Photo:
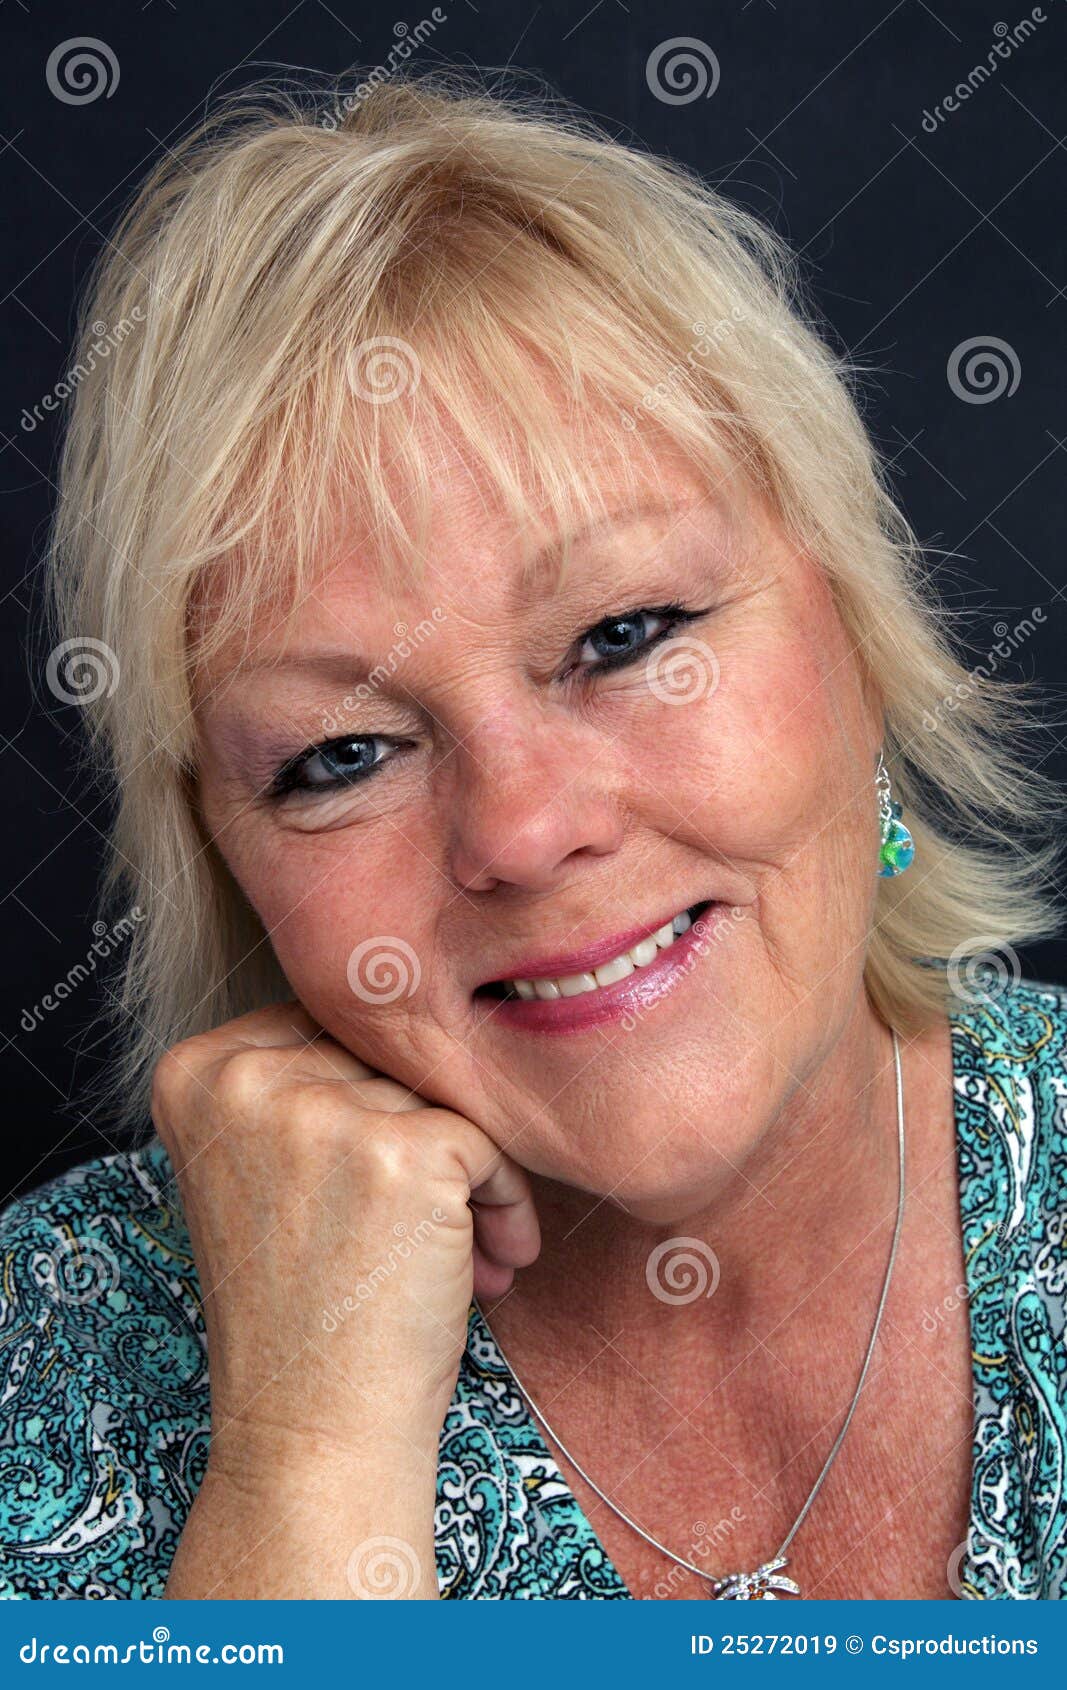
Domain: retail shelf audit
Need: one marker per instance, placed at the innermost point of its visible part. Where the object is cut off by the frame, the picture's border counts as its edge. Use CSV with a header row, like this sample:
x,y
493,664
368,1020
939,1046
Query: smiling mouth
x,y
593,980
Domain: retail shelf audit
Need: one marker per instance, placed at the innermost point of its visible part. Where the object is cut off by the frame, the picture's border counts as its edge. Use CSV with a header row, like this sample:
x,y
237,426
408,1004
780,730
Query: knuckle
x,y
390,1160
321,1122
243,1078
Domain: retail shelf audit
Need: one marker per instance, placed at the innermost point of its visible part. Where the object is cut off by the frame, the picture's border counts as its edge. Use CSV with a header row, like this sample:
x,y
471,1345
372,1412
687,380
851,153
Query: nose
x,y
527,797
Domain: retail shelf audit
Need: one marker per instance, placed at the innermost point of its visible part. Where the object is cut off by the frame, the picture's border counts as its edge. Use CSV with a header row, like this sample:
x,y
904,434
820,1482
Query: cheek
x,y
344,923
752,763
765,775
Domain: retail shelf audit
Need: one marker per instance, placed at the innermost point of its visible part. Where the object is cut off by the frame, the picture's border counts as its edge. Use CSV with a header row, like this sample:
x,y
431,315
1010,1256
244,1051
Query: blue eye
x,y
619,640
336,763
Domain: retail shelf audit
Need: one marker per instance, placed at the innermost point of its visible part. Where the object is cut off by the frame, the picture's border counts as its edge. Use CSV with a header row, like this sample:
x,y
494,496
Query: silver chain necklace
x,y
768,1580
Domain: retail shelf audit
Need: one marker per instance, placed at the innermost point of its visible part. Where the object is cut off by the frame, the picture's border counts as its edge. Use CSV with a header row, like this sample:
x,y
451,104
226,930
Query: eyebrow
x,y
612,522
343,665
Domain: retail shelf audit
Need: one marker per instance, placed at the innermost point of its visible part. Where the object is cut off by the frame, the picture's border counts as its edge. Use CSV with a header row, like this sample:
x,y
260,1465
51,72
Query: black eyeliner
x,y
675,614
285,779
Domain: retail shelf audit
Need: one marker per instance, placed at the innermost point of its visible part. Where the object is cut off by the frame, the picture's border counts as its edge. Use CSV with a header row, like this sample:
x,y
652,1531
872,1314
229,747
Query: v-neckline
x,y
584,1537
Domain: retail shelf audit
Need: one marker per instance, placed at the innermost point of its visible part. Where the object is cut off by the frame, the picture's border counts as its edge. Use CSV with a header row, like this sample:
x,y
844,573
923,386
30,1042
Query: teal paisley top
x,y
104,1406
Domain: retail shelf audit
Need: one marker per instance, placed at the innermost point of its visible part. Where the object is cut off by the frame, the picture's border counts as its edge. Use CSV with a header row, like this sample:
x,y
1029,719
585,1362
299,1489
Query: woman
x,y
602,1145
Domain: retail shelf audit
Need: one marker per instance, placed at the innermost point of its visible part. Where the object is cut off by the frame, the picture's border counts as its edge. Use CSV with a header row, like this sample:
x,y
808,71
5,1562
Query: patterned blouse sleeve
x,y
103,1383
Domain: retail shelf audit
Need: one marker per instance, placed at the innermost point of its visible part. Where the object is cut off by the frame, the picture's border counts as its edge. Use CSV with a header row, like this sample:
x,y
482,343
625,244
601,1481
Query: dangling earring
x,y
898,847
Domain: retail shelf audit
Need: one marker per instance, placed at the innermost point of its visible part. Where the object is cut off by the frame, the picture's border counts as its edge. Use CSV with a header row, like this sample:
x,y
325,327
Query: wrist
x,y
285,1464
313,1522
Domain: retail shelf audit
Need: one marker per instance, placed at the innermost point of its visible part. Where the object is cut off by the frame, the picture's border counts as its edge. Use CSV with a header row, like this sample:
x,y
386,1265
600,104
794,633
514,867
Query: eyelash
x,y
288,777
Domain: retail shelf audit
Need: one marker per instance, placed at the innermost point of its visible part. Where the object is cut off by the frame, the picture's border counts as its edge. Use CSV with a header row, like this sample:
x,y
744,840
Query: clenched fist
x,y
340,1224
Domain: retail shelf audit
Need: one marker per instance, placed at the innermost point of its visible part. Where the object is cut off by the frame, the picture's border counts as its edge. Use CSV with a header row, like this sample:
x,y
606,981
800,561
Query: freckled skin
x,y
533,817
753,1106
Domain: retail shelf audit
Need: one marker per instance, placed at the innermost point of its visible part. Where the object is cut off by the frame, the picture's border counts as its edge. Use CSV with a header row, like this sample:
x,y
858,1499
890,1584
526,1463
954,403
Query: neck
x,y
817,1194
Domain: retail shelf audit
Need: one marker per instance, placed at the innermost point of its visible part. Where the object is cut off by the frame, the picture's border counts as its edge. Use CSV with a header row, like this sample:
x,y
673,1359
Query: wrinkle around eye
x,y
328,811
317,808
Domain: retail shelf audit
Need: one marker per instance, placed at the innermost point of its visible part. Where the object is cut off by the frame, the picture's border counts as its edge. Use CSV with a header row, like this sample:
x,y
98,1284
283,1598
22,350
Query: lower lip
x,y
632,997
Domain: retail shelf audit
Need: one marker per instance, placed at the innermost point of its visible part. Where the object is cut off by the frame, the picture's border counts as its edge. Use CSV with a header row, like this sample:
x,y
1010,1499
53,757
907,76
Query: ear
x,y
874,711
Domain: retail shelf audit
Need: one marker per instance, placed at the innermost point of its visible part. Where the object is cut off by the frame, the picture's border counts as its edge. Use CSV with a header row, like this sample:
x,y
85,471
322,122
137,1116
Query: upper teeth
x,y
638,956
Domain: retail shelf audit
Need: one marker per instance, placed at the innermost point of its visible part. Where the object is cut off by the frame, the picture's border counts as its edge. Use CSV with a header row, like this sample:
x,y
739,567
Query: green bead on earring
x,y
897,850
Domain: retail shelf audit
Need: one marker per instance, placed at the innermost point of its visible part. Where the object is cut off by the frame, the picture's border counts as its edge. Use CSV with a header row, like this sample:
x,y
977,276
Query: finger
x,y
509,1234
499,1195
506,1227
490,1279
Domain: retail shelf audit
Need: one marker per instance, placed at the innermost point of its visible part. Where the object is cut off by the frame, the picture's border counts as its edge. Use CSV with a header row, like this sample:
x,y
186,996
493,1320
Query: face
x,y
491,775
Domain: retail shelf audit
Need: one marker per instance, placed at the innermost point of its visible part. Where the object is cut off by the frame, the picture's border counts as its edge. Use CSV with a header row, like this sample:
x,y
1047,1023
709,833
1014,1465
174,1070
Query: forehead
x,y
484,556
474,543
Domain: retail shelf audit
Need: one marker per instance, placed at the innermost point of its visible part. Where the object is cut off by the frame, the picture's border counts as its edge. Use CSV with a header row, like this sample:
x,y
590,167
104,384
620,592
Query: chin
x,y
665,1193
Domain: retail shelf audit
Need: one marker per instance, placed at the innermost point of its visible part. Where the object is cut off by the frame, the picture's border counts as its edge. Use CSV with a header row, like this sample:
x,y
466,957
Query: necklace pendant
x,y
763,1585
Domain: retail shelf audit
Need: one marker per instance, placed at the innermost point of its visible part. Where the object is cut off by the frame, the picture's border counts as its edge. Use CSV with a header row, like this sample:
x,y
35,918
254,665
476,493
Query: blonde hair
x,y
290,264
